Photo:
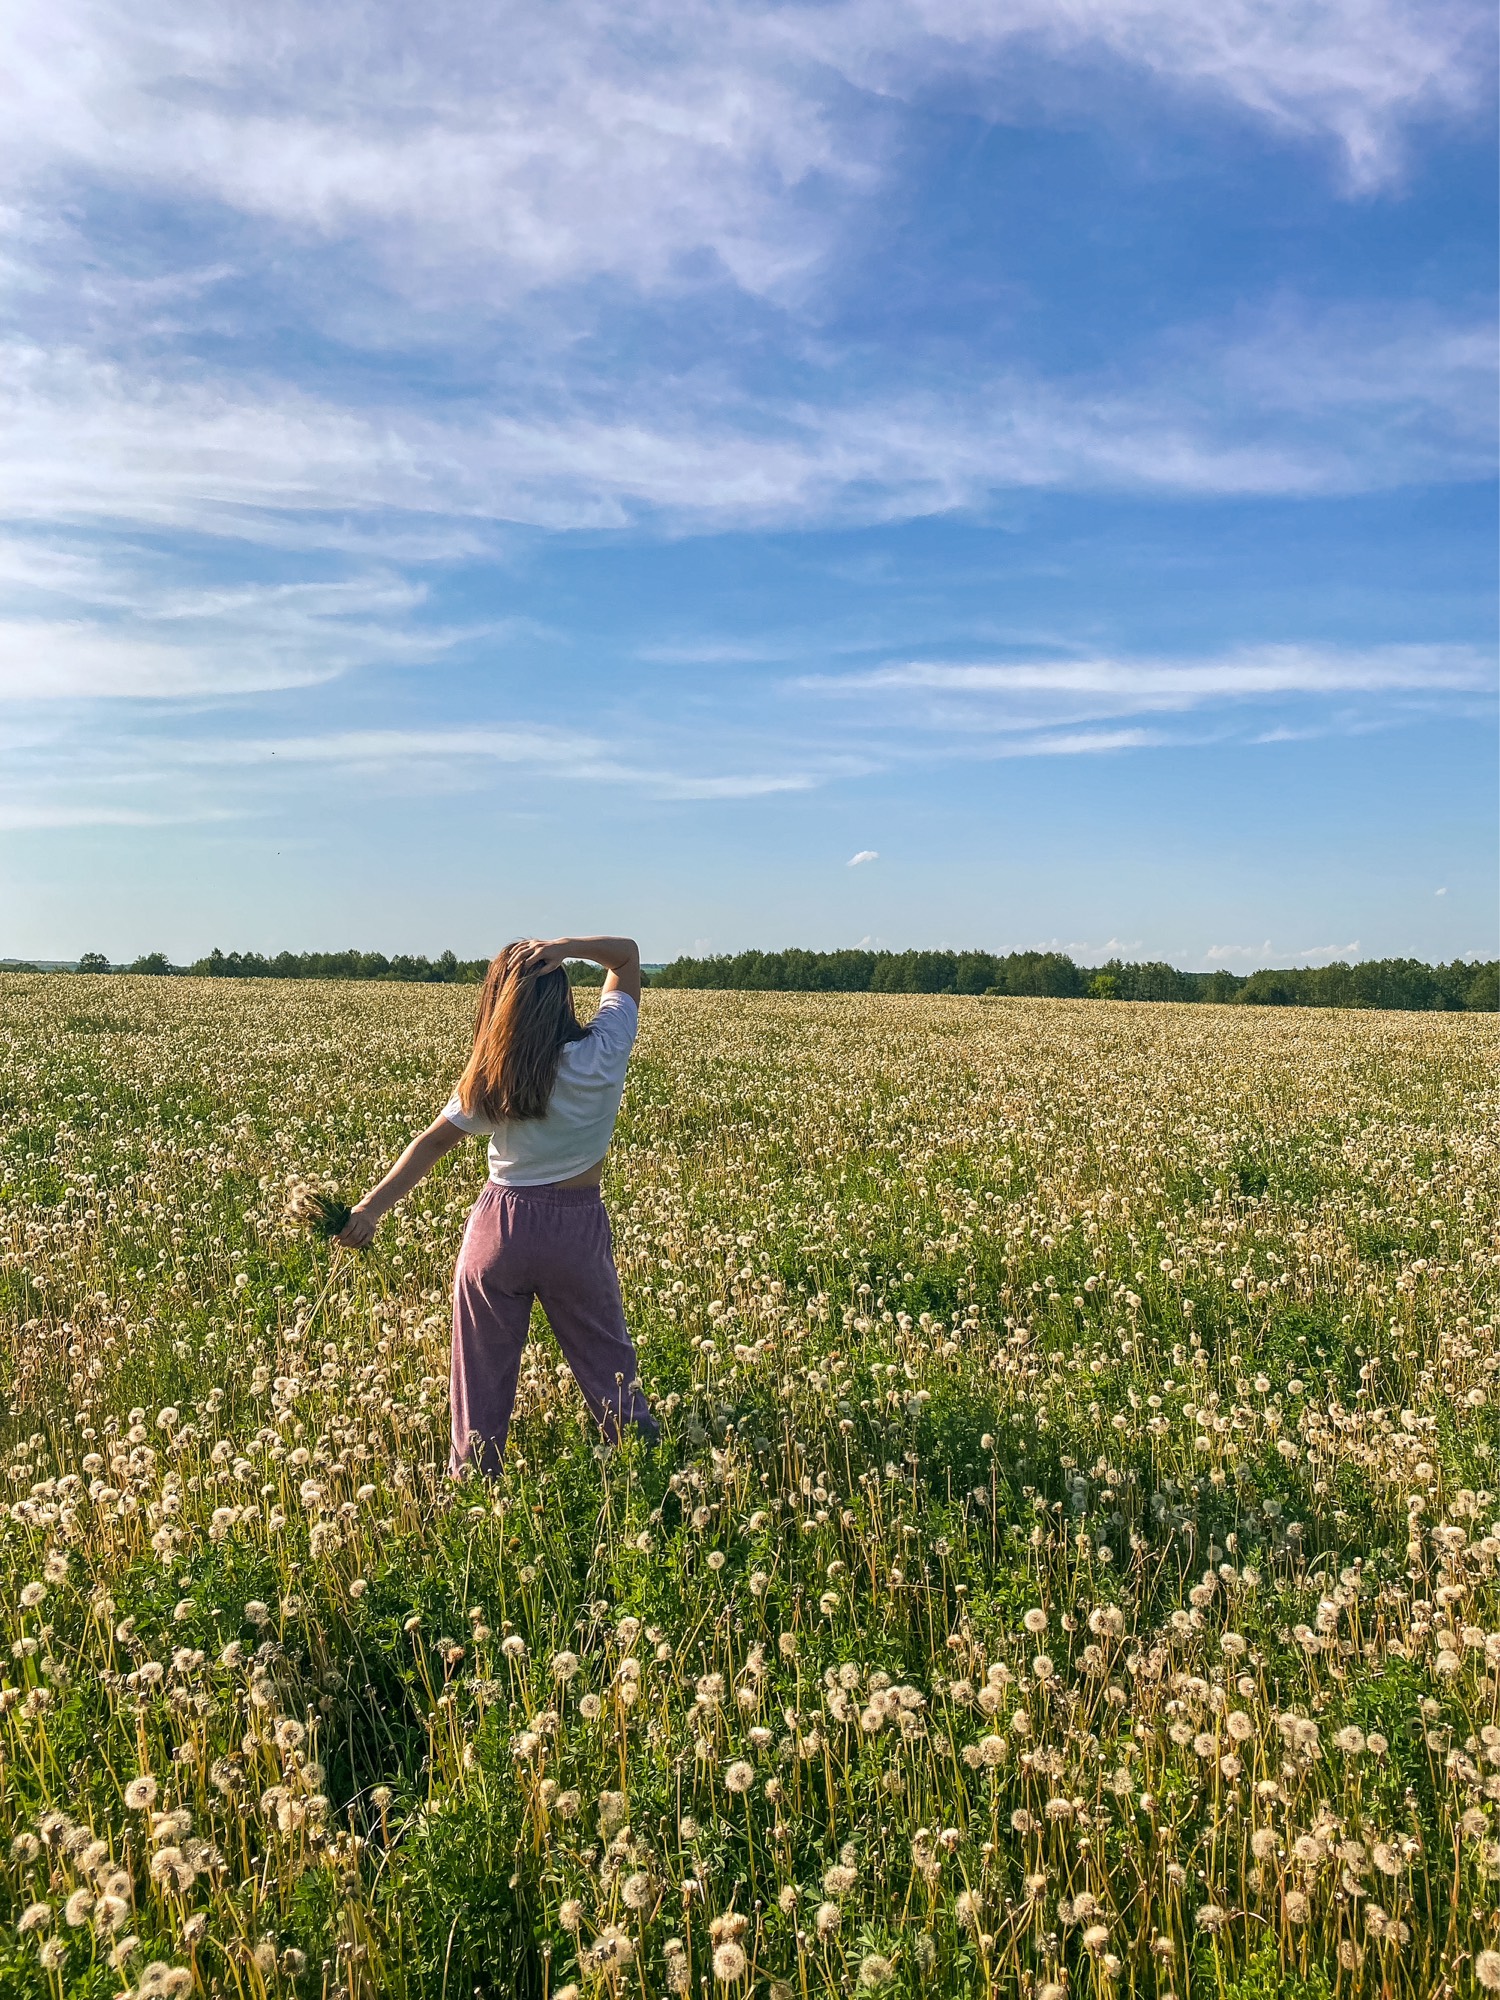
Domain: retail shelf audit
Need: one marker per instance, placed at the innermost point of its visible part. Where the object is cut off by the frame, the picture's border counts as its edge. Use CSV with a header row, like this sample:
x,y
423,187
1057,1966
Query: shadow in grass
x,y
461,1902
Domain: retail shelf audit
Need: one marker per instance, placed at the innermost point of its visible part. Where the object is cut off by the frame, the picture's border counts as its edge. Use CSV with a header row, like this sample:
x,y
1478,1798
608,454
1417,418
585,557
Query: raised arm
x,y
620,957
420,1157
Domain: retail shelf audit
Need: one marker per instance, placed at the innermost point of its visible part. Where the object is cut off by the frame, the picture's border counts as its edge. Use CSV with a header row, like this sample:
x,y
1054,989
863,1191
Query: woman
x,y
547,1093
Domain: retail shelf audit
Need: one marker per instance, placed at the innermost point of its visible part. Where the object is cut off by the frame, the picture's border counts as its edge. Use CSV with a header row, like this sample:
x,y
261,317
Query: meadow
x,y
1069,1568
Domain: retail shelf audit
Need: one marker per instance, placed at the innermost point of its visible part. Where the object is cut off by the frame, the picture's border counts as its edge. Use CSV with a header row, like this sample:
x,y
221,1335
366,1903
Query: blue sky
x,y
893,470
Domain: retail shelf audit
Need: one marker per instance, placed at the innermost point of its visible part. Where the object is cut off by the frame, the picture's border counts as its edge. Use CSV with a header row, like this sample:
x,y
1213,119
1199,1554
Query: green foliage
x,y
1399,983
445,970
1267,1976
951,1317
1390,983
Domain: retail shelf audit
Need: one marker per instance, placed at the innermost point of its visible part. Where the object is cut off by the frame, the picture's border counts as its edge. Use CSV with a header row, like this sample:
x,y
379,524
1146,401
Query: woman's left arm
x,y
420,1157
620,957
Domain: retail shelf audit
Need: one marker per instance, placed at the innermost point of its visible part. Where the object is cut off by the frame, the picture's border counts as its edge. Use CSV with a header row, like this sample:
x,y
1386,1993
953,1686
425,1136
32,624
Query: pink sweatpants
x,y
552,1244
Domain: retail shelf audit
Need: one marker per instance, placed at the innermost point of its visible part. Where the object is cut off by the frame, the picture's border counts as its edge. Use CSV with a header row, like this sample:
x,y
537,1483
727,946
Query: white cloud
x,y
1076,743
1169,683
548,752
1217,953
410,182
1264,954
21,816
1352,70
80,624
858,860
77,775
96,442
1020,707
1440,892
504,148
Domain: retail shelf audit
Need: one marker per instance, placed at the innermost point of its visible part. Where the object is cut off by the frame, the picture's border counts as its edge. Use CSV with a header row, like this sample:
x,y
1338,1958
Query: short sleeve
x,y
466,1121
614,1024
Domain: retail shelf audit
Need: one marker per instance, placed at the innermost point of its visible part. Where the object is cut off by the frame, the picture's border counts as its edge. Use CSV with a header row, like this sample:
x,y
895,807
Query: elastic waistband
x,y
548,1191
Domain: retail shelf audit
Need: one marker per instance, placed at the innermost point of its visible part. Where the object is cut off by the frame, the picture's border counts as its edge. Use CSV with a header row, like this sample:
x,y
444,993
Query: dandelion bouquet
x,y
324,1214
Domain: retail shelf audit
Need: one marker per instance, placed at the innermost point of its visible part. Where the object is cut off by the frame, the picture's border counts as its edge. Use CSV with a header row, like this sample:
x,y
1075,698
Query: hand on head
x,y
534,956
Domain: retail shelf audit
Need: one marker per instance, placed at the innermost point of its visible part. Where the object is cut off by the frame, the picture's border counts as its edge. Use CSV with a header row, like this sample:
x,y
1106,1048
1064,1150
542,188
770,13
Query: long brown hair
x,y
524,1022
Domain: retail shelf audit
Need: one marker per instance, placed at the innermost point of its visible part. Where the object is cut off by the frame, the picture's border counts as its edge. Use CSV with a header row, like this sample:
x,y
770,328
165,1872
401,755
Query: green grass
x,y
927,1244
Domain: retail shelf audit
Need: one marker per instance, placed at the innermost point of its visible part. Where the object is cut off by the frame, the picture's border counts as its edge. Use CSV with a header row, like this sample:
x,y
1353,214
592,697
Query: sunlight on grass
x,y
1070,1566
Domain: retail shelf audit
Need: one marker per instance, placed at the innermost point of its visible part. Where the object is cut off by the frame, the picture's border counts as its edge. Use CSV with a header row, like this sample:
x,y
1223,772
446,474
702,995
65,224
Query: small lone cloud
x,y
1440,892
858,860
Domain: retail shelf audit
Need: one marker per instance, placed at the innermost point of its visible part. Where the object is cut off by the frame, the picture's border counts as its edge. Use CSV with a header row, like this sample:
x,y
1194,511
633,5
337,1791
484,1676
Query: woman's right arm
x,y
420,1157
620,957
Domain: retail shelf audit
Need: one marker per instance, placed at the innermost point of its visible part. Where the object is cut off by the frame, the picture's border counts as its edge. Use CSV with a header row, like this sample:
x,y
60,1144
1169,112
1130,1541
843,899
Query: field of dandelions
x,y
1070,1568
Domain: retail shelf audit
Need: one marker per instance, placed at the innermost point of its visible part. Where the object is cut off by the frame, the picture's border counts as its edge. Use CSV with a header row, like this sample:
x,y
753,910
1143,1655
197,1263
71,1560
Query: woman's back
x,y
574,1132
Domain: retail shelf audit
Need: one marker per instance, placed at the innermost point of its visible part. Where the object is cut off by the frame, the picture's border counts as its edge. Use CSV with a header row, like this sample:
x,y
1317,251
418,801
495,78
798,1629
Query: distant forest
x,y
1377,982
1381,982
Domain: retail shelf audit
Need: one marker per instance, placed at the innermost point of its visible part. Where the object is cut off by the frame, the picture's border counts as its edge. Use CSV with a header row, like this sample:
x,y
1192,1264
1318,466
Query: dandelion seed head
x,y
730,1963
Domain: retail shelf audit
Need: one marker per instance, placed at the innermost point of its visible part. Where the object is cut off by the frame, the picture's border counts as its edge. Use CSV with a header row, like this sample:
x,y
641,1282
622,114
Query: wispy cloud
x,y
1267,954
506,150
1251,671
858,860
80,624
551,752
1015,707
456,210
74,776
97,440
22,816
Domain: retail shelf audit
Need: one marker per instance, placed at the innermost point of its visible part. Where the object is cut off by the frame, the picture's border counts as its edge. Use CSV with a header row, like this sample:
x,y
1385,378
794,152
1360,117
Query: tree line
x,y
1408,983
447,969
1382,982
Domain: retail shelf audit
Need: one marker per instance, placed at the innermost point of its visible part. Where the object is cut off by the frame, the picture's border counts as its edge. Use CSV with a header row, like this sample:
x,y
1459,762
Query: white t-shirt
x,y
579,1121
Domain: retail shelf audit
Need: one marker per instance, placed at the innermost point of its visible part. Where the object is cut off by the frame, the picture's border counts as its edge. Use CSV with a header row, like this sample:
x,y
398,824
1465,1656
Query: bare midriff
x,y
590,1177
